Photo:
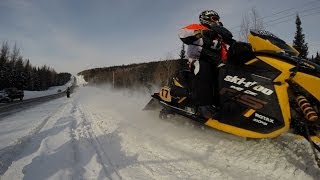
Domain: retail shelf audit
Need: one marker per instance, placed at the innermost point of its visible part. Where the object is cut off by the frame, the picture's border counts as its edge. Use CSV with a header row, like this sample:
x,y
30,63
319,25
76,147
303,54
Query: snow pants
x,y
205,84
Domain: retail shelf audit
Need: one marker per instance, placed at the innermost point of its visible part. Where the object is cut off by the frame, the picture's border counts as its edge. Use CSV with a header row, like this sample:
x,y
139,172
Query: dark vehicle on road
x,y
4,97
9,94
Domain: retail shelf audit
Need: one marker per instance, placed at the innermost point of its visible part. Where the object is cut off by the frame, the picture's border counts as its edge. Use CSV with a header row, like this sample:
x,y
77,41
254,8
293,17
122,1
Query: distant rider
x,y
68,92
207,48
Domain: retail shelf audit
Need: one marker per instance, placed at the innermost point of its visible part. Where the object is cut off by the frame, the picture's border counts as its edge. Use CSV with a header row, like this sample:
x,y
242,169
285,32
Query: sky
x,y
75,35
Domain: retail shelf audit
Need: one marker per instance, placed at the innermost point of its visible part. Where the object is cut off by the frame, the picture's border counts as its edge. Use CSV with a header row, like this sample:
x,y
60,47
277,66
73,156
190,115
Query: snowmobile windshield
x,y
274,40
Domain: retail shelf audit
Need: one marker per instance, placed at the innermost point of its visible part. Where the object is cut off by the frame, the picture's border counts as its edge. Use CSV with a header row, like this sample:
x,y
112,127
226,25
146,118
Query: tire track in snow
x,y
95,119
236,156
209,151
101,153
158,161
8,154
158,158
75,146
188,159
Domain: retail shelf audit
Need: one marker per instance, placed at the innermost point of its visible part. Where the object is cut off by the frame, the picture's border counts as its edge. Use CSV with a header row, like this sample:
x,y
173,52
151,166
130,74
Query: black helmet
x,y
209,17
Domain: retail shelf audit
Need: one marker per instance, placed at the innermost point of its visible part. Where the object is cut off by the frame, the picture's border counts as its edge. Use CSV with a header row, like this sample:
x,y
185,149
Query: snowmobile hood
x,y
264,41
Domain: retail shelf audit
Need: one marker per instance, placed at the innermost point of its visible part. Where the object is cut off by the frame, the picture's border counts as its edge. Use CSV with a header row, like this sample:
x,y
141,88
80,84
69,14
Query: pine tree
x,y
28,76
299,41
182,54
317,59
183,61
4,69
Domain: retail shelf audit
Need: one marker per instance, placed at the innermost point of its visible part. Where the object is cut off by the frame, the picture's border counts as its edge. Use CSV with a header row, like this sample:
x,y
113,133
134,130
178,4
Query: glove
x,y
223,32
241,47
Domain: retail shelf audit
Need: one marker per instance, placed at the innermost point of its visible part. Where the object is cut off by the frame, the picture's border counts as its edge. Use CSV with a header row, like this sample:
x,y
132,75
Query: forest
x,y
15,71
135,75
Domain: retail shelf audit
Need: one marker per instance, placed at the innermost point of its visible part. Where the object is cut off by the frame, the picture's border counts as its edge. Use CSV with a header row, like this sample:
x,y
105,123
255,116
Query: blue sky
x,y
74,35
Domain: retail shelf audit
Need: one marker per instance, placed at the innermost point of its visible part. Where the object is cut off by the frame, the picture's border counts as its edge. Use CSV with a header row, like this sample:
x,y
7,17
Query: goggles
x,y
214,18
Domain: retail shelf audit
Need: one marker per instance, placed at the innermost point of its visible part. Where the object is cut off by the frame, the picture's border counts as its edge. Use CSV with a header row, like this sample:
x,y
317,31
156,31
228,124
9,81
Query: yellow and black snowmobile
x,y
264,92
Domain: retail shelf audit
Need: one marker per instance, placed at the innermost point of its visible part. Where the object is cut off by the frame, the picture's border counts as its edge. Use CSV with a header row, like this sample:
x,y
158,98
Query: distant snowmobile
x,y
264,92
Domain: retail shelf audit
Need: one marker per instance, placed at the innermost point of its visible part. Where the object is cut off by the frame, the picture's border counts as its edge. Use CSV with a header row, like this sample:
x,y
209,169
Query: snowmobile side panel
x,y
308,83
280,65
252,89
238,131
282,94
249,113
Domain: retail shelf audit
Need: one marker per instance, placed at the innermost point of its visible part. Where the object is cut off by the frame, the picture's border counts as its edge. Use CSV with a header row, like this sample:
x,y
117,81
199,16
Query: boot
x,y
179,92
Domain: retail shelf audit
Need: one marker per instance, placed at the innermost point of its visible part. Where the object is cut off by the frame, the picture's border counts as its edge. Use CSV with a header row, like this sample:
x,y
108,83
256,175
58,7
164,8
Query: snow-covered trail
x,y
101,134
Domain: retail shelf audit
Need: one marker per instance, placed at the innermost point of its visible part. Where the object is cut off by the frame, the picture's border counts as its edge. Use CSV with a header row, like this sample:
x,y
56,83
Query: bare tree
x,y
250,20
170,67
244,28
15,53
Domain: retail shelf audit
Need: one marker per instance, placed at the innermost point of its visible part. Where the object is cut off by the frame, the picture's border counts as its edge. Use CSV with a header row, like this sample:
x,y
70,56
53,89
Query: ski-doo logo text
x,y
242,81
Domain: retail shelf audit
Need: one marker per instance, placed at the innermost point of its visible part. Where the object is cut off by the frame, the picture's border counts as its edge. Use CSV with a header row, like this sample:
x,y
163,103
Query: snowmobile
x,y
263,92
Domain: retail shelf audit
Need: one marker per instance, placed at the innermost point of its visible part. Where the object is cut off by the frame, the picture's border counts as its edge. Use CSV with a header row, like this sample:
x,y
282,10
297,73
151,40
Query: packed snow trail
x,y
103,134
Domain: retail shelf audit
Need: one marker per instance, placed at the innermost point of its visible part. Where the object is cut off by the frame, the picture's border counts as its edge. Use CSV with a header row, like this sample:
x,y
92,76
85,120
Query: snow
x,y
80,80
101,133
51,90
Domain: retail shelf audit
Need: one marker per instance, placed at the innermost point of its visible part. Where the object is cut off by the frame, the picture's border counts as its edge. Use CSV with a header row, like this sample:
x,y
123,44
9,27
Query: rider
x,y
68,92
206,50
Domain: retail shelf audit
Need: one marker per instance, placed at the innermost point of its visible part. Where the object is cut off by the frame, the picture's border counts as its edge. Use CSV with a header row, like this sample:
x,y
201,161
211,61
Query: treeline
x,y
134,75
316,59
19,73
